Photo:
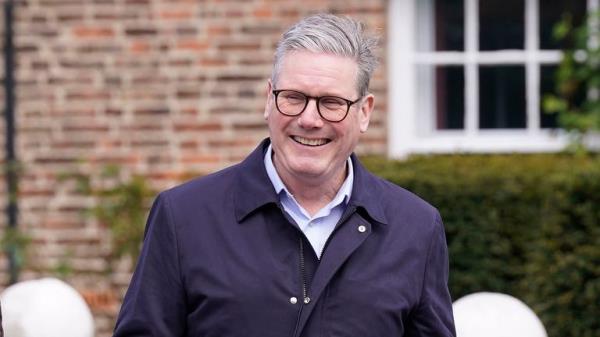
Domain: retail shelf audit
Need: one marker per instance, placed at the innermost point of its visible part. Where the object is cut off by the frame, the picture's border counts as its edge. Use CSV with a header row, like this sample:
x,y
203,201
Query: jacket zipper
x,y
305,298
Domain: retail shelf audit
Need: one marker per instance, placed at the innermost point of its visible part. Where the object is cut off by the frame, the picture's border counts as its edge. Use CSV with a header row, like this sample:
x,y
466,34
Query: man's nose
x,y
310,117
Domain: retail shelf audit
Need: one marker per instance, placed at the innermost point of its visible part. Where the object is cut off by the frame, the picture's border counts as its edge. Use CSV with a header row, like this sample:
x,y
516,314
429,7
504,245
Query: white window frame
x,y
412,132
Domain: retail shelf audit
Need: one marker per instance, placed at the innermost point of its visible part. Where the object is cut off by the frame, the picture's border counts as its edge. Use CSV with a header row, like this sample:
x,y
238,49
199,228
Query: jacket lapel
x,y
346,239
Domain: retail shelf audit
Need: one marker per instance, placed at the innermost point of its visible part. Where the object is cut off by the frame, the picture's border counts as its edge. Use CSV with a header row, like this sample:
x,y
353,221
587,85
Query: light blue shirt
x,y
319,227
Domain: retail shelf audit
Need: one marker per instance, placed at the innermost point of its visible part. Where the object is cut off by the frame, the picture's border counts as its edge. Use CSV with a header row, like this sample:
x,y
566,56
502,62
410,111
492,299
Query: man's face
x,y
307,147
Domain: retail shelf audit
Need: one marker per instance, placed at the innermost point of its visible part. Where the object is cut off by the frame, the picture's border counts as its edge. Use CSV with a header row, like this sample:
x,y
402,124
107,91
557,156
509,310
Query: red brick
x,y
151,111
85,128
172,14
193,45
238,46
186,30
218,30
166,175
54,160
189,93
100,300
139,46
263,13
180,126
140,31
78,144
200,159
231,143
94,32
189,111
70,17
143,127
190,144
213,61
60,224
234,13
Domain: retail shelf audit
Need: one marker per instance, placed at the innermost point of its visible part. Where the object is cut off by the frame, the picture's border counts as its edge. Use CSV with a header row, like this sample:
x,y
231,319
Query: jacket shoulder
x,y
401,205
401,194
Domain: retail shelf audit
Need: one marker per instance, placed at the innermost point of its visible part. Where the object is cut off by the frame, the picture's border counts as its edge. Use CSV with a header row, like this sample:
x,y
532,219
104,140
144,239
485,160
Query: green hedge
x,y
524,225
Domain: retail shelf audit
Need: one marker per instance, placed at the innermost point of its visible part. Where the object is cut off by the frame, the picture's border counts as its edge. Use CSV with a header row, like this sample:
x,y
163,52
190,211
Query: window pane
x,y
450,97
551,12
547,87
501,24
440,98
502,97
449,30
440,25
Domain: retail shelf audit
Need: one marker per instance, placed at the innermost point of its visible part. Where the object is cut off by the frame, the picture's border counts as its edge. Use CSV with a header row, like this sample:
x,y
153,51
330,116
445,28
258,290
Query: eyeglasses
x,y
331,108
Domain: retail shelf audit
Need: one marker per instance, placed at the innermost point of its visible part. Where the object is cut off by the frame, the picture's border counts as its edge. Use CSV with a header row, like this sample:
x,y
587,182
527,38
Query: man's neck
x,y
313,194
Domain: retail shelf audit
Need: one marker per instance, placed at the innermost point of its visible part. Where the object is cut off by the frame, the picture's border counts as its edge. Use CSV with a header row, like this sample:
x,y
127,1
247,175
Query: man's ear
x,y
364,115
269,100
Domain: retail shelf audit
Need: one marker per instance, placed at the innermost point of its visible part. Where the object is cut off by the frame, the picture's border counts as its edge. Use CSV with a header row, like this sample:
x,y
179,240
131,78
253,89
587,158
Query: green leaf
x,y
562,28
554,104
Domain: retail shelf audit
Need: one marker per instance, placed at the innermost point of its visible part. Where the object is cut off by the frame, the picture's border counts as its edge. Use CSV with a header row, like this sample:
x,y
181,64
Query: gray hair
x,y
331,34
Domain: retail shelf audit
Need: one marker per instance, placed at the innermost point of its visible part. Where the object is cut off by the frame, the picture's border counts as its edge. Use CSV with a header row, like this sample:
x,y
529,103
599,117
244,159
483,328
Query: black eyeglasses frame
x,y
317,99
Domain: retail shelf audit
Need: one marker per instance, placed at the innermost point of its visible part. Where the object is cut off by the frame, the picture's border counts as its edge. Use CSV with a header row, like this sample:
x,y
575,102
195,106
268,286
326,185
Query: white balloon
x,y
45,308
495,315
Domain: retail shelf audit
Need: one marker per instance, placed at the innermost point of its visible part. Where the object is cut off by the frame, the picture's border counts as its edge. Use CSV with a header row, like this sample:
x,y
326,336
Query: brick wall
x,y
164,88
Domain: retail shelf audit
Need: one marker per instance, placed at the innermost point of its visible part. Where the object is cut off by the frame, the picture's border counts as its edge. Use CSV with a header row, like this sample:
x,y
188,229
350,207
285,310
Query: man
x,y
298,239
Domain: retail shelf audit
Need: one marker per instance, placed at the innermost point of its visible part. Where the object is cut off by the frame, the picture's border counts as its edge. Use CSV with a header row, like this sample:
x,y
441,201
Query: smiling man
x,y
315,116
299,239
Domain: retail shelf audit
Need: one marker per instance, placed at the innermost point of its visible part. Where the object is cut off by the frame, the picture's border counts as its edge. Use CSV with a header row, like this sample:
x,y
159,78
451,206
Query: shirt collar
x,y
343,194
253,188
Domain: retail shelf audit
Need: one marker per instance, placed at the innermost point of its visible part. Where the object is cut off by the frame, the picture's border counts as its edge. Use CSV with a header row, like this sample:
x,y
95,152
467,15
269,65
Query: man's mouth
x,y
310,142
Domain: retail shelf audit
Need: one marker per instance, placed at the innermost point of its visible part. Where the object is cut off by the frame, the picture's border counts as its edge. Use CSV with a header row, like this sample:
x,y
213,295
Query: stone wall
x,y
164,88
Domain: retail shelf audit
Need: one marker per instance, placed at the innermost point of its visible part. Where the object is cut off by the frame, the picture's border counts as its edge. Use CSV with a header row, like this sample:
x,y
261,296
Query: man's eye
x,y
332,102
294,98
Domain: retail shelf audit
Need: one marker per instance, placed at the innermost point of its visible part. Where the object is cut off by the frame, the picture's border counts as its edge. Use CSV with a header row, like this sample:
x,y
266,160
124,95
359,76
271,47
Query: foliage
x,y
525,225
121,203
576,100
565,264
16,242
63,269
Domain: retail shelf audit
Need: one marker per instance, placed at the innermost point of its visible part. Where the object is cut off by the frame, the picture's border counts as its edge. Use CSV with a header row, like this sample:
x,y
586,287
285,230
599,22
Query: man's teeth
x,y
310,142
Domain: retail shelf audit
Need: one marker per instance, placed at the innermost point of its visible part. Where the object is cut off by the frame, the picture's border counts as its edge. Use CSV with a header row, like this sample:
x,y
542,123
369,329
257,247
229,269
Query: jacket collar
x,y
366,192
253,188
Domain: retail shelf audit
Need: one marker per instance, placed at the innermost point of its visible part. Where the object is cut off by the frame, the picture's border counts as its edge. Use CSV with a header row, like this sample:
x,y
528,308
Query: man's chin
x,y
309,170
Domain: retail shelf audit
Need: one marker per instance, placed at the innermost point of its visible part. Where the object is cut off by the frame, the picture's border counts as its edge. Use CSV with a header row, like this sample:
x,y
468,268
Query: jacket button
x,y
362,228
306,300
293,300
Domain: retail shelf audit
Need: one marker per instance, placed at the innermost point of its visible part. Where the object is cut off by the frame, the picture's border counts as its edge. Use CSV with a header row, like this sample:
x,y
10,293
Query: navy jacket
x,y
221,259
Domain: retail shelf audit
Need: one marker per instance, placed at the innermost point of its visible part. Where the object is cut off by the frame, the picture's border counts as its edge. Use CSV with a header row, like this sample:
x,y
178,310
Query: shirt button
x,y
306,300
293,300
362,228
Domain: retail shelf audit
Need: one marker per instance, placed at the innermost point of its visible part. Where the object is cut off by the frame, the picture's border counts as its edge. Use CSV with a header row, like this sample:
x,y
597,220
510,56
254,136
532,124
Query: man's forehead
x,y
310,66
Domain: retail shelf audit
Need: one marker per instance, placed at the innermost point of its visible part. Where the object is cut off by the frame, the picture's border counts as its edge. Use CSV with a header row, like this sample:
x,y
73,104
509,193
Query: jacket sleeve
x,y
433,317
154,304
